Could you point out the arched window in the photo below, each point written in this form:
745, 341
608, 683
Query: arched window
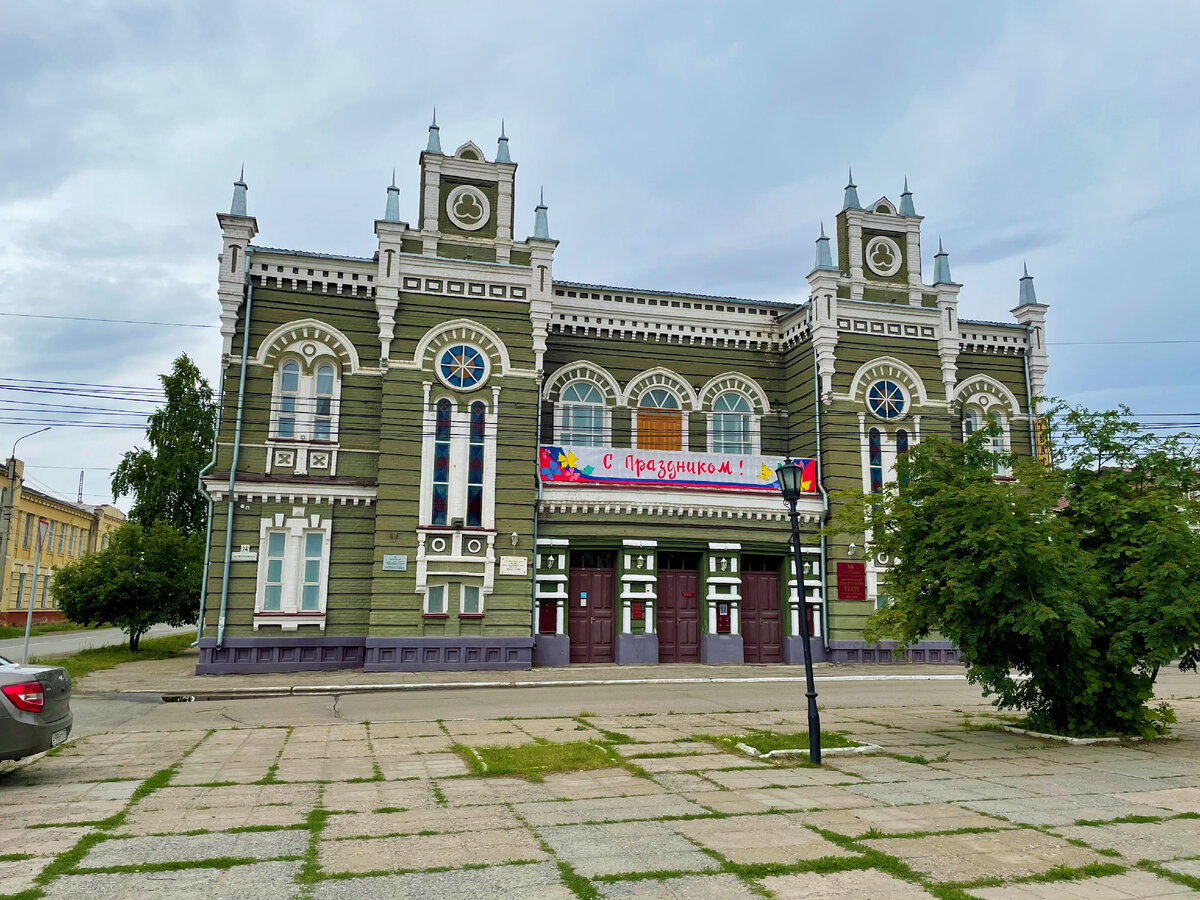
323, 407
973, 421
582, 415
875, 450
441, 462
289, 388
731, 419
475, 465
659, 421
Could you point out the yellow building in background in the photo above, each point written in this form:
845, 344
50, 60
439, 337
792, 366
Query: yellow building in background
74, 529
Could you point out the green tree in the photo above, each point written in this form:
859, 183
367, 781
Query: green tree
1065, 589
145, 576
164, 479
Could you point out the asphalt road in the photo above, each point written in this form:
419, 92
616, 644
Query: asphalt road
98, 713
64, 643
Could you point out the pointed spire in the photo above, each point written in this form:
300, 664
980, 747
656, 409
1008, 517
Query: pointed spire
541, 225
1028, 296
824, 256
392, 212
851, 201
906, 204
435, 142
941, 266
502, 146
238, 206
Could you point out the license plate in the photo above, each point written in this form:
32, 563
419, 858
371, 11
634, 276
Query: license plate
58, 737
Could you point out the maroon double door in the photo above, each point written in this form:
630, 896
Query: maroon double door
678, 615
591, 595
762, 640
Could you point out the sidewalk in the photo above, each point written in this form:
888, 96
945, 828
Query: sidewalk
176, 678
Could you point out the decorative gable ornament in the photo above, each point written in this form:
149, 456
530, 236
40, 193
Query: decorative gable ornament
468, 207
883, 256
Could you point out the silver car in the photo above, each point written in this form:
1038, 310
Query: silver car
35, 708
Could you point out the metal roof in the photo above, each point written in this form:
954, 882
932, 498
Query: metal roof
708, 297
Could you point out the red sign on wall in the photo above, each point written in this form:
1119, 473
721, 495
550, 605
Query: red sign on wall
852, 581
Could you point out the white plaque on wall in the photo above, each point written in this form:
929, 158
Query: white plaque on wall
514, 565
244, 556
394, 563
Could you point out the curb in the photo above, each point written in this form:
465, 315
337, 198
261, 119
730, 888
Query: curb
1076, 741
298, 690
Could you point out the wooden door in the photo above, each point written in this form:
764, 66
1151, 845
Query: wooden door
678, 607
762, 640
659, 429
590, 586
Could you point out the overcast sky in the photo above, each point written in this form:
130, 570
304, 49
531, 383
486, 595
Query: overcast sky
691, 147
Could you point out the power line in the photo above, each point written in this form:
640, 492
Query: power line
107, 321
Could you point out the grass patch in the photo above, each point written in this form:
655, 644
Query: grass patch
534, 761
310, 870
576, 883
8, 632
217, 862
766, 741
15, 857
97, 658
918, 760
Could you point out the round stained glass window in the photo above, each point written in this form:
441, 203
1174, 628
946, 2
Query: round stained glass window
886, 399
462, 367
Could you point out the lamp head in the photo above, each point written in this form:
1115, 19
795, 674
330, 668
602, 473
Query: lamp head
789, 472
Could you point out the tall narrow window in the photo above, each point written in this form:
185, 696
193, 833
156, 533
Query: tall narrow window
475, 465
49, 545
20, 590
901, 451
62, 537
273, 590
659, 421
582, 415
46, 591
471, 605
71, 543
28, 529
731, 424
289, 388
441, 463
310, 591
435, 600
876, 460
322, 418
970, 423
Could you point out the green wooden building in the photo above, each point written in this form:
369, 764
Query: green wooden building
444, 456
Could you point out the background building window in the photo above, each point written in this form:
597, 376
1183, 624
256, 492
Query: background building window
323, 410
49, 545
731, 424
310, 594
441, 462
28, 529
273, 590
289, 389
62, 537
582, 415
475, 465
659, 421
20, 590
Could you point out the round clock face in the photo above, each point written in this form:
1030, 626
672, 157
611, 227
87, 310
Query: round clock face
468, 207
883, 256
886, 399
462, 367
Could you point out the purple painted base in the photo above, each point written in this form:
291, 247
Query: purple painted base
551, 650
920, 652
721, 649
463, 653
256, 655
793, 650
636, 649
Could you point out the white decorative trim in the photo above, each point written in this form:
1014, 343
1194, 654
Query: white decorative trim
468, 190
461, 331
583, 370
292, 492
720, 545
970, 390
891, 368
727, 505
738, 383
664, 378
631, 542
289, 615
328, 340
894, 248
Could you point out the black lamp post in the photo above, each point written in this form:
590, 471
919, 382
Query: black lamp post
789, 472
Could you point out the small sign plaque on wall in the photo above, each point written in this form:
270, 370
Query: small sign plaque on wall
395, 562
514, 565
244, 555
852, 581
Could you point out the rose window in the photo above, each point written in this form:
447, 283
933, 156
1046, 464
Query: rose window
462, 367
886, 399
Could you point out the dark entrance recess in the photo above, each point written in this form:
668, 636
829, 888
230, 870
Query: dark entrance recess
590, 588
678, 607
761, 634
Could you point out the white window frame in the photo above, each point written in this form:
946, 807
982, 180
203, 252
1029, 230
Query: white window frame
445, 592
753, 419
306, 400
887, 444
682, 408
462, 599
460, 440
604, 439
296, 527
1001, 443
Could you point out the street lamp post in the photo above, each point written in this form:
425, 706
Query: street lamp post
789, 472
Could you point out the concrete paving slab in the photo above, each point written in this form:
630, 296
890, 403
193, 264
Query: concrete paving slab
373, 795
1002, 854
301, 795
697, 762
1142, 840
900, 819
1062, 810
690, 887
339, 768
760, 839
625, 847
539, 880
166, 821
599, 783
776, 776
428, 765
950, 790
193, 847
852, 885
268, 879
20, 875
487, 791
1180, 800
467, 818
1132, 885
429, 851
679, 782
40, 841
765, 799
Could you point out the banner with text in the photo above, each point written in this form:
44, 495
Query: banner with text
611, 466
